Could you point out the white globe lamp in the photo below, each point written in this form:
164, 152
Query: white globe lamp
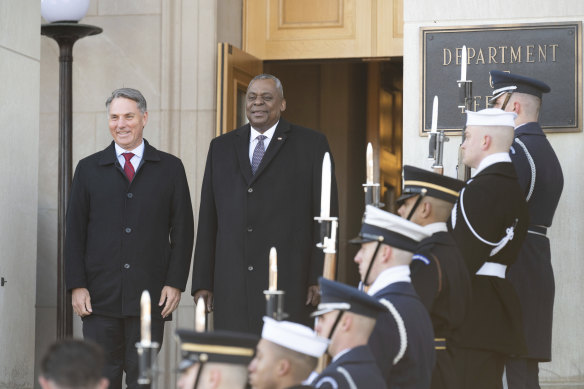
64, 10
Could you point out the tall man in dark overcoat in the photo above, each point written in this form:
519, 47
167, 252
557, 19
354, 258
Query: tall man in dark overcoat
129, 229
489, 223
261, 189
541, 178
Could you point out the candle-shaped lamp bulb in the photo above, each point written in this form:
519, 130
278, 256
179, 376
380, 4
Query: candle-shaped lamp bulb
369, 164
145, 319
273, 271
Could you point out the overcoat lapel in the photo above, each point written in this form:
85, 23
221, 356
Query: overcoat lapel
108, 157
242, 149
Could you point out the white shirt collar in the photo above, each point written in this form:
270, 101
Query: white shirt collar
435, 227
389, 276
269, 133
522, 124
491, 160
341, 353
138, 151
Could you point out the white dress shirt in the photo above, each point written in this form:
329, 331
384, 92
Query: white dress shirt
135, 160
253, 139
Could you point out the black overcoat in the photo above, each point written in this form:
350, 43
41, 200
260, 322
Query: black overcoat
488, 205
540, 176
242, 216
123, 238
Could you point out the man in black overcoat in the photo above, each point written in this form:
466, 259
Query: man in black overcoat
129, 229
489, 223
439, 273
402, 340
261, 189
541, 178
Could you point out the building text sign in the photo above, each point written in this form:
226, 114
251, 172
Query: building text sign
547, 52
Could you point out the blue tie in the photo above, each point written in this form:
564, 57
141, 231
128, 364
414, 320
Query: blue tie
258, 153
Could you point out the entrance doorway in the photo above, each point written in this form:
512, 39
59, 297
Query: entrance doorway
352, 102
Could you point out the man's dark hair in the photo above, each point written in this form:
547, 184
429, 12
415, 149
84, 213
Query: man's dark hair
73, 364
128, 93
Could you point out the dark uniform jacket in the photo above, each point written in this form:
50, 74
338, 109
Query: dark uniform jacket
243, 215
489, 205
124, 238
441, 279
540, 176
415, 365
354, 369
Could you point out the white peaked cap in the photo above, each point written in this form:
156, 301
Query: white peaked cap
491, 117
294, 336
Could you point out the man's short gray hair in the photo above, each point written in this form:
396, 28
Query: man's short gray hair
269, 77
128, 93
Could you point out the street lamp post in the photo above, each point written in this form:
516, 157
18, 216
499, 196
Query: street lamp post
66, 33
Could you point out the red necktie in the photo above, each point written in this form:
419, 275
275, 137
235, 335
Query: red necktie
128, 167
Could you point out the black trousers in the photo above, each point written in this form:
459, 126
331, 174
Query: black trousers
479, 369
522, 373
118, 338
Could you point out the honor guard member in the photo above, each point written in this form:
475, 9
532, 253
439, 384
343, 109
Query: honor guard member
286, 355
347, 316
403, 340
489, 224
439, 274
540, 176
216, 359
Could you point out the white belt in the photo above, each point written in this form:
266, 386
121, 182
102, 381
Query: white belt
492, 269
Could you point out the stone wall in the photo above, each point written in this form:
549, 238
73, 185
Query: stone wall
19, 131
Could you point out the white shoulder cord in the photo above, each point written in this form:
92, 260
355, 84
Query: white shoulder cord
531, 165
327, 380
509, 231
403, 336
348, 377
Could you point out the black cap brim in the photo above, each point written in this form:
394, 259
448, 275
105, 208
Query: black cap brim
401, 199
360, 240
